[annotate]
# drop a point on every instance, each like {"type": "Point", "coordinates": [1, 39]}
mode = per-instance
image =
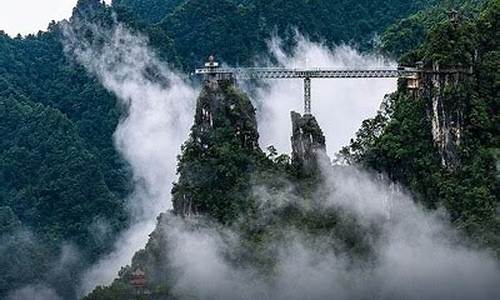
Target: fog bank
{"type": "Point", "coordinates": [159, 111]}
{"type": "Point", "coordinates": [340, 105]}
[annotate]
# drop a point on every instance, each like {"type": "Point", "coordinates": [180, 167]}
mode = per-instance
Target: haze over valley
{"type": "Point", "coordinates": [248, 149]}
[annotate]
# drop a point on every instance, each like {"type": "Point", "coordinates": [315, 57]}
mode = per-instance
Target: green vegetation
{"type": "Point", "coordinates": [236, 33]}
{"type": "Point", "coordinates": [220, 156]}
{"type": "Point", "coordinates": [220, 166]}
{"type": "Point", "coordinates": [409, 33]}
{"type": "Point", "coordinates": [398, 141]}
{"type": "Point", "coordinates": [60, 174]}
{"type": "Point", "coordinates": [61, 177]}
{"type": "Point", "coordinates": [54, 185]}
{"type": "Point", "coordinates": [150, 11]}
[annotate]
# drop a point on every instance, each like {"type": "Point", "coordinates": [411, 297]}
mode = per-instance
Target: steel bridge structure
{"type": "Point", "coordinates": [212, 71]}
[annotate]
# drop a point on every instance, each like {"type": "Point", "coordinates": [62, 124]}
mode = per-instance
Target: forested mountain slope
{"type": "Point", "coordinates": [60, 174]}
{"type": "Point", "coordinates": [150, 11]}
{"type": "Point", "coordinates": [55, 190]}
{"type": "Point", "coordinates": [220, 166]}
{"type": "Point", "coordinates": [443, 141]}
{"type": "Point", "coordinates": [237, 33]}
{"type": "Point", "coordinates": [409, 33]}
{"type": "Point", "coordinates": [445, 156]}
{"type": "Point", "coordinates": [440, 141]}
{"type": "Point", "coordinates": [62, 180]}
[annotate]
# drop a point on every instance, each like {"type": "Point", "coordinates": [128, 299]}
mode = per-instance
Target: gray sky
{"type": "Point", "coordinates": [29, 16]}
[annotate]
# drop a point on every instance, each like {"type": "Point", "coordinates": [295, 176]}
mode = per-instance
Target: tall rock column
{"type": "Point", "coordinates": [308, 144]}
{"type": "Point", "coordinates": [220, 154]}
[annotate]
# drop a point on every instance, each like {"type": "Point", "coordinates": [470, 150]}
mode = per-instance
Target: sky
{"type": "Point", "coordinates": [30, 16]}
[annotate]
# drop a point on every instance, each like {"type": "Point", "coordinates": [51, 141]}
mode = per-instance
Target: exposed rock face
{"type": "Point", "coordinates": [446, 115]}
{"type": "Point", "coordinates": [223, 147]}
{"type": "Point", "coordinates": [220, 106]}
{"type": "Point", "coordinates": [308, 143]}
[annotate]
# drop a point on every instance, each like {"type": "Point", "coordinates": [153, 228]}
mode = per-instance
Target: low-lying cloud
{"type": "Point", "coordinates": [340, 105]}
{"type": "Point", "coordinates": [159, 110]}
{"type": "Point", "coordinates": [417, 254]}
{"type": "Point", "coordinates": [24, 255]}
{"type": "Point", "coordinates": [34, 292]}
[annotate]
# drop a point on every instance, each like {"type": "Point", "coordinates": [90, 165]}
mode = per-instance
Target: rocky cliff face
{"type": "Point", "coordinates": [221, 106]}
{"type": "Point", "coordinates": [222, 149]}
{"type": "Point", "coordinates": [308, 143]}
{"type": "Point", "coordinates": [440, 89]}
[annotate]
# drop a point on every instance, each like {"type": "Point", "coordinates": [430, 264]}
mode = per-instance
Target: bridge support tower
{"type": "Point", "coordinates": [307, 96]}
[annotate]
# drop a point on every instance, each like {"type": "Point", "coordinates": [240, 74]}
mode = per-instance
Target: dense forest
{"type": "Point", "coordinates": [445, 158]}
{"type": "Point", "coordinates": [64, 185]}
{"type": "Point", "coordinates": [399, 140]}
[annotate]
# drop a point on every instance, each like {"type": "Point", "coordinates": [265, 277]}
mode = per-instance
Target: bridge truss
{"type": "Point", "coordinates": [212, 71]}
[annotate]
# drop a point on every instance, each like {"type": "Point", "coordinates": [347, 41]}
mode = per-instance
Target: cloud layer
{"type": "Point", "coordinates": [417, 254]}
{"type": "Point", "coordinates": [159, 110]}
{"type": "Point", "coordinates": [340, 105]}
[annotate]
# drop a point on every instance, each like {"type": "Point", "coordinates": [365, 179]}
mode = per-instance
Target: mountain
{"type": "Point", "coordinates": [150, 11]}
{"type": "Point", "coordinates": [439, 140]}
{"type": "Point", "coordinates": [442, 140]}
{"type": "Point", "coordinates": [60, 179]}
{"type": "Point", "coordinates": [63, 183]}
{"type": "Point", "coordinates": [220, 166]}
{"type": "Point", "coordinates": [224, 146]}
{"type": "Point", "coordinates": [409, 33]}
{"type": "Point", "coordinates": [237, 33]}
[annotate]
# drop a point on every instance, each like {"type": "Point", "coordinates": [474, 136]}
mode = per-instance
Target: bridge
{"type": "Point", "coordinates": [213, 71]}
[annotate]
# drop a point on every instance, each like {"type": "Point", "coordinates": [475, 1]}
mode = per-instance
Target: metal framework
{"type": "Point", "coordinates": [307, 95]}
{"type": "Point", "coordinates": [283, 73]}
{"type": "Point", "coordinates": [306, 74]}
